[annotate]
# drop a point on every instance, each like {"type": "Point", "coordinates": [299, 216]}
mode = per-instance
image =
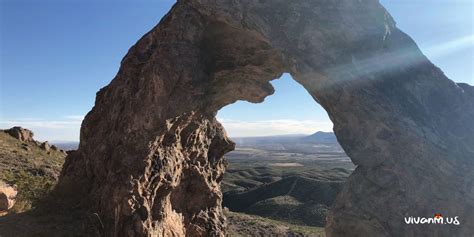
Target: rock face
{"type": "Point", "coordinates": [7, 197]}
{"type": "Point", "coordinates": [150, 158]}
{"type": "Point", "coordinates": [21, 134]}
{"type": "Point", "coordinates": [26, 136]}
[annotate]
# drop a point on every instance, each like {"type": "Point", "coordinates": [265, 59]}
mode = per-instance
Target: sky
{"type": "Point", "coordinates": [56, 54]}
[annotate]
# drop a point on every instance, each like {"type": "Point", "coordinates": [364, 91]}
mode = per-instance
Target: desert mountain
{"type": "Point", "coordinates": [316, 138]}
{"type": "Point", "coordinates": [321, 138]}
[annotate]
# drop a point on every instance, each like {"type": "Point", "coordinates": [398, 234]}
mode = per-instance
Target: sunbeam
{"type": "Point", "coordinates": [443, 49]}
{"type": "Point", "coordinates": [367, 67]}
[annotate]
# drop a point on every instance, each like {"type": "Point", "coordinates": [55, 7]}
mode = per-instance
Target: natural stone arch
{"type": "Point", "coordinates": [150, 157]}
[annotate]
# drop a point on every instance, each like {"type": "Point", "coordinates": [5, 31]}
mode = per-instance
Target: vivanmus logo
{"type": "Point", "coordinates": [436, 219]}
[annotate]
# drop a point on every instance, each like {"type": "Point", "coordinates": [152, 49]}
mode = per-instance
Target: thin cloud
{"type": "Point", "coordinates": [241, 128]}
{"type": "Point", "coordinates": [66, 129]}
{"type": "Point", "coordinates": [66, 122]}
{"type": "Point", "coordinates": [75, 117]}
{"type": "Point", "coordinates": [41, 123]}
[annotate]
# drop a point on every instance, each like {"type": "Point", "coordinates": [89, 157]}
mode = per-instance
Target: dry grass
{"type": "Point", "coordinates": [249, 225]}
{"type": "Point", "coordinates": [31, 169]}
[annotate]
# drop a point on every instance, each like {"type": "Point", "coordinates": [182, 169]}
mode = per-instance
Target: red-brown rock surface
{"type": "Point", "coordinates": [151, 154]}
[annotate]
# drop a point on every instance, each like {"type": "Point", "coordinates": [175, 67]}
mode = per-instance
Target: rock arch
{"type": "Point", "coordinates": [151, 153]}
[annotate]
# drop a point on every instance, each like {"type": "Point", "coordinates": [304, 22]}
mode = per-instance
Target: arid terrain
{"type": "Point", "coordinates": [292, 180]}
{"type": "Point", "coordinates": [274, 186]}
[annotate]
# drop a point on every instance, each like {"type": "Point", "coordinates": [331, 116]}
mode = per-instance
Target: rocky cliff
{"type": "Point", "coordinates": [150, 158]}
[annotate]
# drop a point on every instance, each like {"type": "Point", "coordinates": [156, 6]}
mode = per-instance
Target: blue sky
{"type": "Point", "coordinates": [56, 54]}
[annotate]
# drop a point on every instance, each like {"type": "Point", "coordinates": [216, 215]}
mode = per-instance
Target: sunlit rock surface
{"type": "Point", "coordinates": [7, 197]}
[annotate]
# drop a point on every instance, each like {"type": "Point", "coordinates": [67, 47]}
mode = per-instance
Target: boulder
{"type": "Point", "coordinates": [7, 196]}
{"type": "Point", "coordinates": [45, 146]}
{"type": "Point", "coordinates": [21, 134]}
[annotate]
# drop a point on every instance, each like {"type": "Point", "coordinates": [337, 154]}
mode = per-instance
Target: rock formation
{"type": "Point", "coordinates": [26, 136]}
{"type": "Point", "coordinates": [21, 134]}
{"type": "Point", "coordinates": [150, 158]}
{"type": "Point", "coordinates": [7, 197]}
{"type": "Point", "coordinates": [45, 146]}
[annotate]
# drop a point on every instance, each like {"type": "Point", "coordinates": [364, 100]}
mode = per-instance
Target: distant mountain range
{"type": "Point", "coordinates": [66, 145]}
{"type": "Point", "coordinates": [321, 138]}
{"type": "Point", "coordinates": [327, 138]}
{"type": "Point", "coordinates": [316, 138]}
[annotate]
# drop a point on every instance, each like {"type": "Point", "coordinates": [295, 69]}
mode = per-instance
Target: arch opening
{"type": "Point", "coordinates": [287, 164]}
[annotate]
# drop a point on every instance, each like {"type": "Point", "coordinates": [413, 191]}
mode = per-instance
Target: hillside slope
{"type": "Point", "coordinates": [244, 225]}
{"type": "Point", "coordinates": [296, 195]}
{"type": "Point", "coordinates": [31, 166]}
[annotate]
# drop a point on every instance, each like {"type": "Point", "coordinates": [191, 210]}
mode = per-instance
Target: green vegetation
{"type": "Point", "coordinates": [32, 188]}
